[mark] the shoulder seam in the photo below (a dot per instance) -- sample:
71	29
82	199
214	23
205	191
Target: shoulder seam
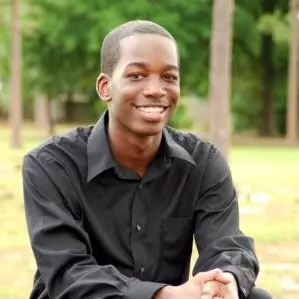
187	140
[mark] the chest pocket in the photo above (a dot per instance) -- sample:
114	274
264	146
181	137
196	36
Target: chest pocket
177	239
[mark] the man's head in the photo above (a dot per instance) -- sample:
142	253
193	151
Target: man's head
139	77
110	51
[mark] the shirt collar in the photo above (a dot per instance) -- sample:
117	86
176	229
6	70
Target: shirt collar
100	158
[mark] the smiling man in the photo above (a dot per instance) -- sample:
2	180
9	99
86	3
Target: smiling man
112	209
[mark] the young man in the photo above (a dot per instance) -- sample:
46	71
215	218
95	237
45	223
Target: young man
112	208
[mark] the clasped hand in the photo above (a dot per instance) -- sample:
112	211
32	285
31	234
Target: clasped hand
212	284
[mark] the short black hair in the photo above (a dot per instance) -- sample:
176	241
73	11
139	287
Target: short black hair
110	51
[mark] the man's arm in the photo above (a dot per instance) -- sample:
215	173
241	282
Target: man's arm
61	246
219	240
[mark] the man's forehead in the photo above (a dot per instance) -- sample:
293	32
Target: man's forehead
141	47
139	39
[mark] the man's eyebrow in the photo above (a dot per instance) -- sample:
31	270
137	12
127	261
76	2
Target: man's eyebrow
171	67
145	65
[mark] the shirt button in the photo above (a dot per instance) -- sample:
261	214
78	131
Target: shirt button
138	227
141	270
140	186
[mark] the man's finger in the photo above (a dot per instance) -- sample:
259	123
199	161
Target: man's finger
224	277
215	274
207	292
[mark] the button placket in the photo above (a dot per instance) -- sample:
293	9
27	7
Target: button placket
138	225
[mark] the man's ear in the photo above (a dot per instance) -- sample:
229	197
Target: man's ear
103	87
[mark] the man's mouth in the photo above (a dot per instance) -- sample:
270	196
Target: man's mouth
152	109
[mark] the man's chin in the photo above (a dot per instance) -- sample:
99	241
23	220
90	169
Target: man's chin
149	131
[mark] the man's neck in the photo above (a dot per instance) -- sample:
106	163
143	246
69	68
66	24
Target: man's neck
133	151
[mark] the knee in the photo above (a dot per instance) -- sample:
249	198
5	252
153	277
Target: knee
257	293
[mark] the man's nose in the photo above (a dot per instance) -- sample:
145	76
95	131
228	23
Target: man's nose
154	88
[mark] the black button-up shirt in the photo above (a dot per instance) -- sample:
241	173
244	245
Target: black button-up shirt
99	230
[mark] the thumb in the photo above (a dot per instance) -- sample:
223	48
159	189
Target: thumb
215	274
224	277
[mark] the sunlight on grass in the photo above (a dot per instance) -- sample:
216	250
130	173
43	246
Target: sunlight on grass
274	171
278	222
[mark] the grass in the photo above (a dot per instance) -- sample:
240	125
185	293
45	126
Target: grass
268	173
274	171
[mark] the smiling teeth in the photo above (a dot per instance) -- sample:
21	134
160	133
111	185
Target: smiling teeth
151	109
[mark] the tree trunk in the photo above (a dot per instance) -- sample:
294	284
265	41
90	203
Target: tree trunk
15	114
69	107
42	114
267	117
292	107
49	124
220	73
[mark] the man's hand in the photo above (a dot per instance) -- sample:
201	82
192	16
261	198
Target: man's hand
192	289
216	289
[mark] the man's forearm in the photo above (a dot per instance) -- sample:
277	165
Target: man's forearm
165	293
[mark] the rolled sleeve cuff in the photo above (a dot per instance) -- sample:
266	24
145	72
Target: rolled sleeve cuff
245	280
143	289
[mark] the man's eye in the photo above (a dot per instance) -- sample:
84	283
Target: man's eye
136	76
170	77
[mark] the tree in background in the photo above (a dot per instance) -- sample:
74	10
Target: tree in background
292	108
260	66
267	125
220	73
5	28
16	100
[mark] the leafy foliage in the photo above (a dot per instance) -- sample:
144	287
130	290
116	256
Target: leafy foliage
62	40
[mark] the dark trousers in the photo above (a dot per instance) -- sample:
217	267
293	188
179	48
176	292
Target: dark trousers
257	293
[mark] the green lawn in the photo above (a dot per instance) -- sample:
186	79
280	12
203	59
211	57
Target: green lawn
267	179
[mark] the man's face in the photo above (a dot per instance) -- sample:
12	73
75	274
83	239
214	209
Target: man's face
145	84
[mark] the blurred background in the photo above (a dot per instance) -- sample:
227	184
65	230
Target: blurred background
239	65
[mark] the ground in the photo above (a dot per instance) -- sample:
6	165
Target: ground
267	181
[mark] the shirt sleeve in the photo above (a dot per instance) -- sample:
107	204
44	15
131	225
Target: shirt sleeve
60	245
218	238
